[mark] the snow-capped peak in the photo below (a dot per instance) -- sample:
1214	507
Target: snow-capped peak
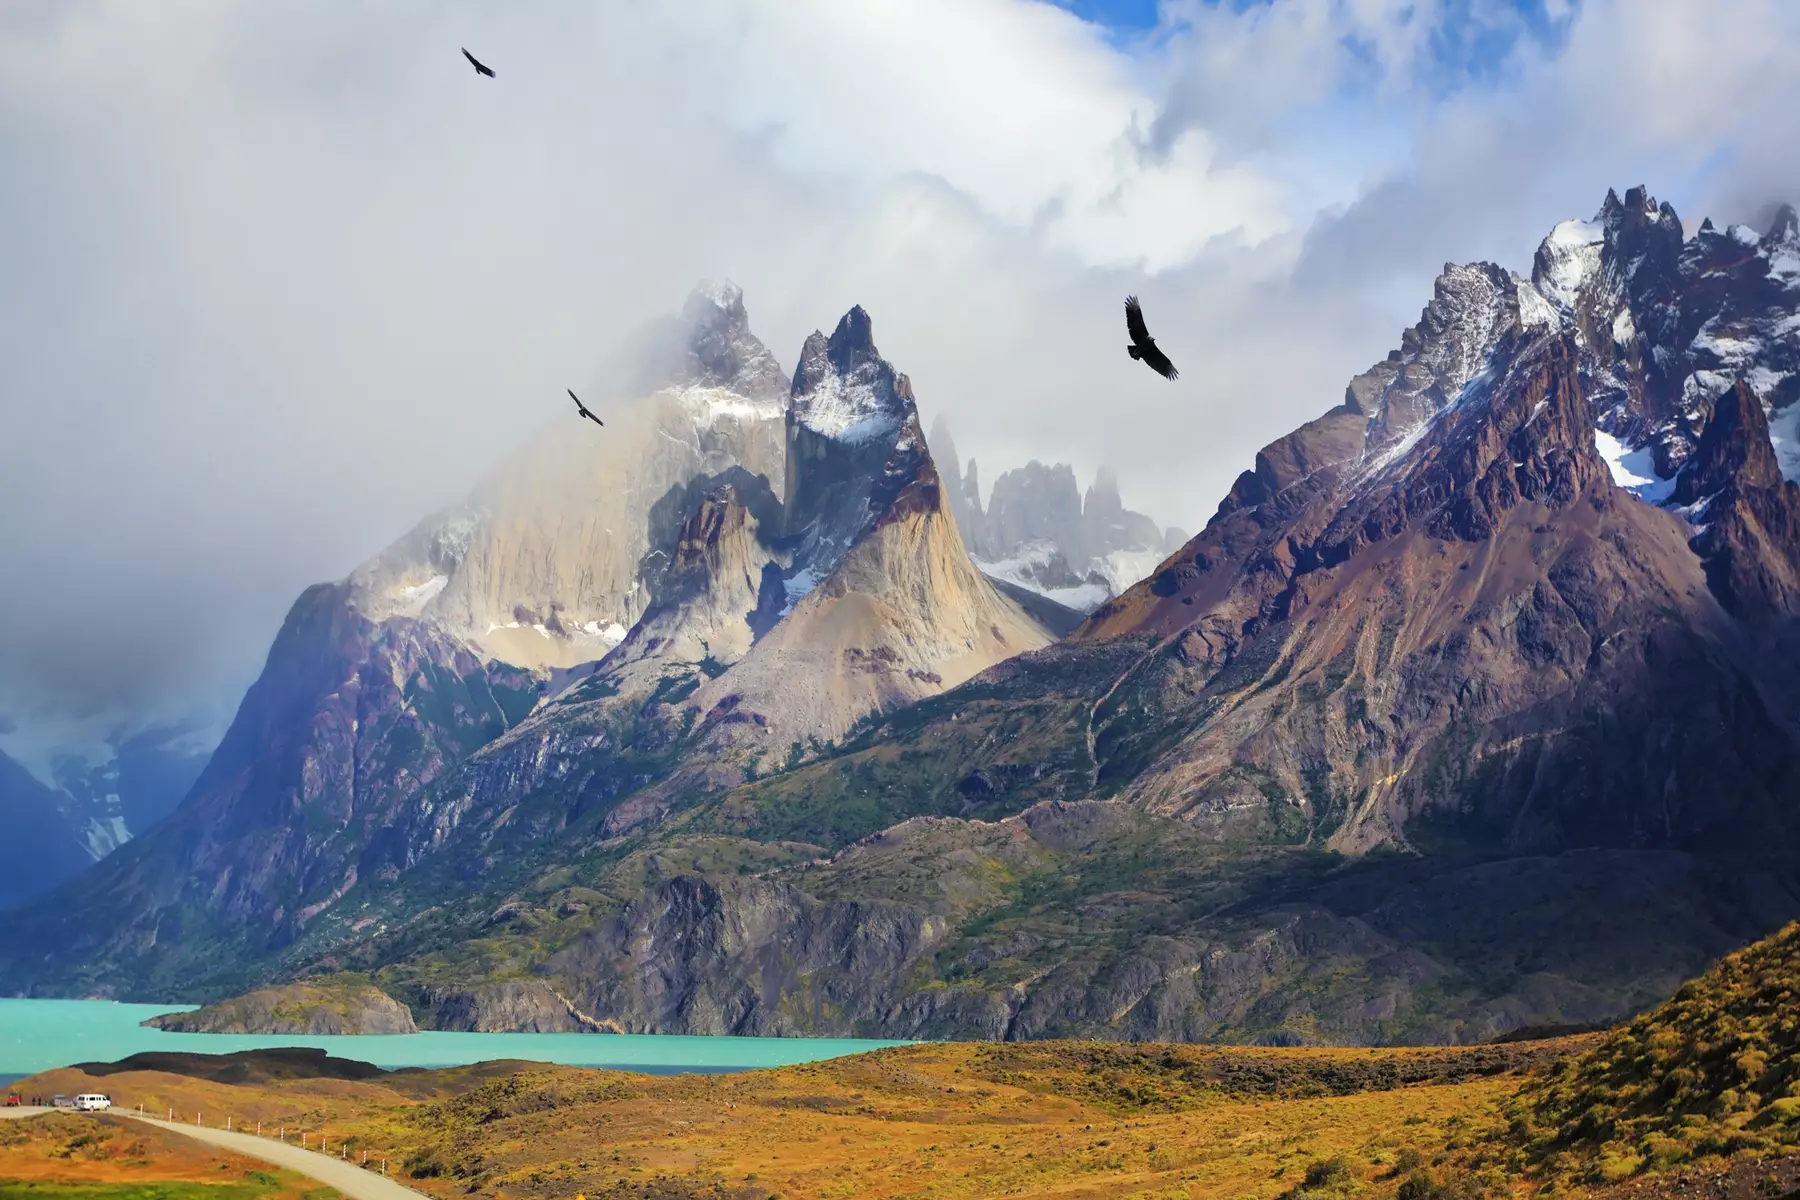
1567	259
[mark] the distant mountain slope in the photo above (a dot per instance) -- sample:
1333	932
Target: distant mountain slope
40	845
1038	532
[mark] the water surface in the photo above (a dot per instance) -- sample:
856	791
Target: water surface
36	1035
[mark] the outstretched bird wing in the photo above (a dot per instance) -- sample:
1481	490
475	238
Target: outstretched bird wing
1134	321
479	68
1159	362
583	409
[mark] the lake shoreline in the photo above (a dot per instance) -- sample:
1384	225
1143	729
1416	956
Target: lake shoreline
42	1035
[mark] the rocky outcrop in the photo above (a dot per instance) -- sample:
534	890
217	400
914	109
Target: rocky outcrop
1666	325
313	1007
1036	927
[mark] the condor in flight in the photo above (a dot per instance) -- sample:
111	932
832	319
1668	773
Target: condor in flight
1143	346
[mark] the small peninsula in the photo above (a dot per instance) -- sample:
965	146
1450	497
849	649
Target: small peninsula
319	1006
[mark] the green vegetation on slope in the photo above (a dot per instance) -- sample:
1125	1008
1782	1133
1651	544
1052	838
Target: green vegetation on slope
1711	1072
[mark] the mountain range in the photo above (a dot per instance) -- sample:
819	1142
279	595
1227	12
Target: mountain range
1471	709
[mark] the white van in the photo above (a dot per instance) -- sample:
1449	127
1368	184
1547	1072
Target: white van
93	1102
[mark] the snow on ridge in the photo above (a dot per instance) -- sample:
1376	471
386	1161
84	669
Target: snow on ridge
423	593
846	411
1784	264
1632	470
1728	349
796	588
707	405
1572	257
1123	568
1534	310
1573	233
1019	569
612	634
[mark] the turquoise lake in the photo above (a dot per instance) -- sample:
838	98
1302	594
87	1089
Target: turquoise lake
36	1035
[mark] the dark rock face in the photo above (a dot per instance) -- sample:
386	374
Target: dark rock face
854	445
1667	326
710	345
1462	631
520	1006
1749	515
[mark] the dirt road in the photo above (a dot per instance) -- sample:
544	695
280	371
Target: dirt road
345	1177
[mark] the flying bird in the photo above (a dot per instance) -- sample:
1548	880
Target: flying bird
479	69
583	409
1143	346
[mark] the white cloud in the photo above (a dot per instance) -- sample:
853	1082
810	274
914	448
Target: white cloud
275	285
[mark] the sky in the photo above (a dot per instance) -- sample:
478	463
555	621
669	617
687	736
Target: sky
278	279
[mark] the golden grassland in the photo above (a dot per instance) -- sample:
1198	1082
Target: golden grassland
61	1156
938	1120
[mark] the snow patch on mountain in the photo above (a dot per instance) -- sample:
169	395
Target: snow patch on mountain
412	600
1569	257
1633	470
846	411
1123	568
1534	311
1784	434
1035	562
708	405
